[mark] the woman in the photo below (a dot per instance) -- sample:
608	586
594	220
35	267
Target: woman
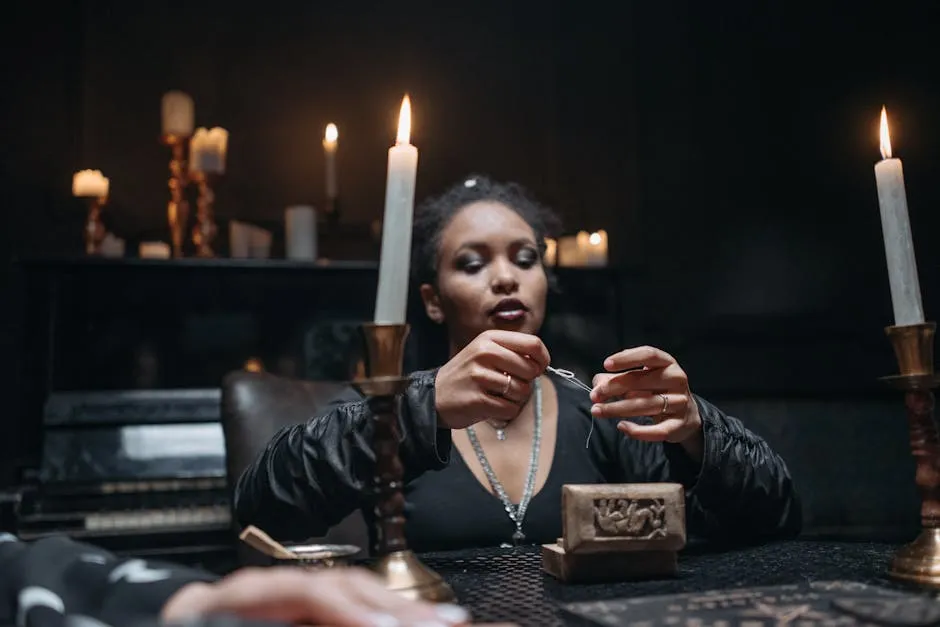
490	437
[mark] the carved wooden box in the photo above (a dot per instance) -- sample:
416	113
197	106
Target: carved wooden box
623	517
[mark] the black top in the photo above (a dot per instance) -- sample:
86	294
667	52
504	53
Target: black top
312	475
476	517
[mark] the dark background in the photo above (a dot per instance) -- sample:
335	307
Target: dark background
727	148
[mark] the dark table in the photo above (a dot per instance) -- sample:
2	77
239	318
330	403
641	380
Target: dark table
508	584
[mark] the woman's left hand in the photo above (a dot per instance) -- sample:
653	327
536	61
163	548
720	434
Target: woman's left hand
647	381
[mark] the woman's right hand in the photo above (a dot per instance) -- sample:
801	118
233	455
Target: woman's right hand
472	386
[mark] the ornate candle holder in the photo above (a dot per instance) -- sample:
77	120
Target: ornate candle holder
205	230
398	566
919	561
177	207
94	227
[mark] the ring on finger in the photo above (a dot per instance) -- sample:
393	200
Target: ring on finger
508	384
665	404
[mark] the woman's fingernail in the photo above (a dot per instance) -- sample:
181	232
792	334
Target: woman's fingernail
452	613
384	620
596	410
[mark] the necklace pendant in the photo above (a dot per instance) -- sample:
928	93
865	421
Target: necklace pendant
518	537
500	435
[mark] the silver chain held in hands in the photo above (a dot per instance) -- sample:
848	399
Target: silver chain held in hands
516	512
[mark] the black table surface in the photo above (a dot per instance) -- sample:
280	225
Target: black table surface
507	585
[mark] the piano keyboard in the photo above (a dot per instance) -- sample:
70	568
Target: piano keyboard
157	519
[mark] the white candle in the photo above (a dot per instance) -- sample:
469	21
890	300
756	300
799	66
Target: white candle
896	228
154	250
583	238
90	183
551	251
330	137
300	233
392	298
568	255
207	150
178	113
596	253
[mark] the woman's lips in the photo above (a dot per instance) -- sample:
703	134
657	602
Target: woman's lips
509	315
509	310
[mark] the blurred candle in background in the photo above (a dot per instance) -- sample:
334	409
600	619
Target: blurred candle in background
330	143
551	251
90	183
178	113
207	150
596	251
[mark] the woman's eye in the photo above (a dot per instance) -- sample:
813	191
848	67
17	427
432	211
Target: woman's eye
527	258
469	264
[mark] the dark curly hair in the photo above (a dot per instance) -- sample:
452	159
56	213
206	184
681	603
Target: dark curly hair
434	214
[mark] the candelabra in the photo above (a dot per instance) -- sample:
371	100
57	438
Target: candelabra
94	227
398	566
178	206
919	561
205	230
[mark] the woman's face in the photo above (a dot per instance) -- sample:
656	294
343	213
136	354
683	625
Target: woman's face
489	275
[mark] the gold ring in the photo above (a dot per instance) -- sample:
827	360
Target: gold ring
665	404
508	384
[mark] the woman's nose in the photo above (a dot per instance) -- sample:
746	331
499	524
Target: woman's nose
504	279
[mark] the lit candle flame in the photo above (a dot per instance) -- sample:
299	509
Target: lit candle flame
331	134
404	122
885	136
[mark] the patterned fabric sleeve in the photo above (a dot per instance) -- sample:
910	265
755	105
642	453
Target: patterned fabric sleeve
54	581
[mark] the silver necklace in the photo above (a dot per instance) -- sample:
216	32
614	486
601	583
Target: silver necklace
516	512
499	426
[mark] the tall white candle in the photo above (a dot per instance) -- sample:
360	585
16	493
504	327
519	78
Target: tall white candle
207	150
896	228
392	298
177	113
330	139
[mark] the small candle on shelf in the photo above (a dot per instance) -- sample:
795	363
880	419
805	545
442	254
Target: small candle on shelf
154	250
90	184
330	138
178	113
567	254
207	150
596	251
392	297
896	229
583	238
551	251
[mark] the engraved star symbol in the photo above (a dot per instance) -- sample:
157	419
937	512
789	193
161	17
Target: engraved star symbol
784	614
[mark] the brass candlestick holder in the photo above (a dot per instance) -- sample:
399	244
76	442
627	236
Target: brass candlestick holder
398	566
94	227
919	561
205	230
178	207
